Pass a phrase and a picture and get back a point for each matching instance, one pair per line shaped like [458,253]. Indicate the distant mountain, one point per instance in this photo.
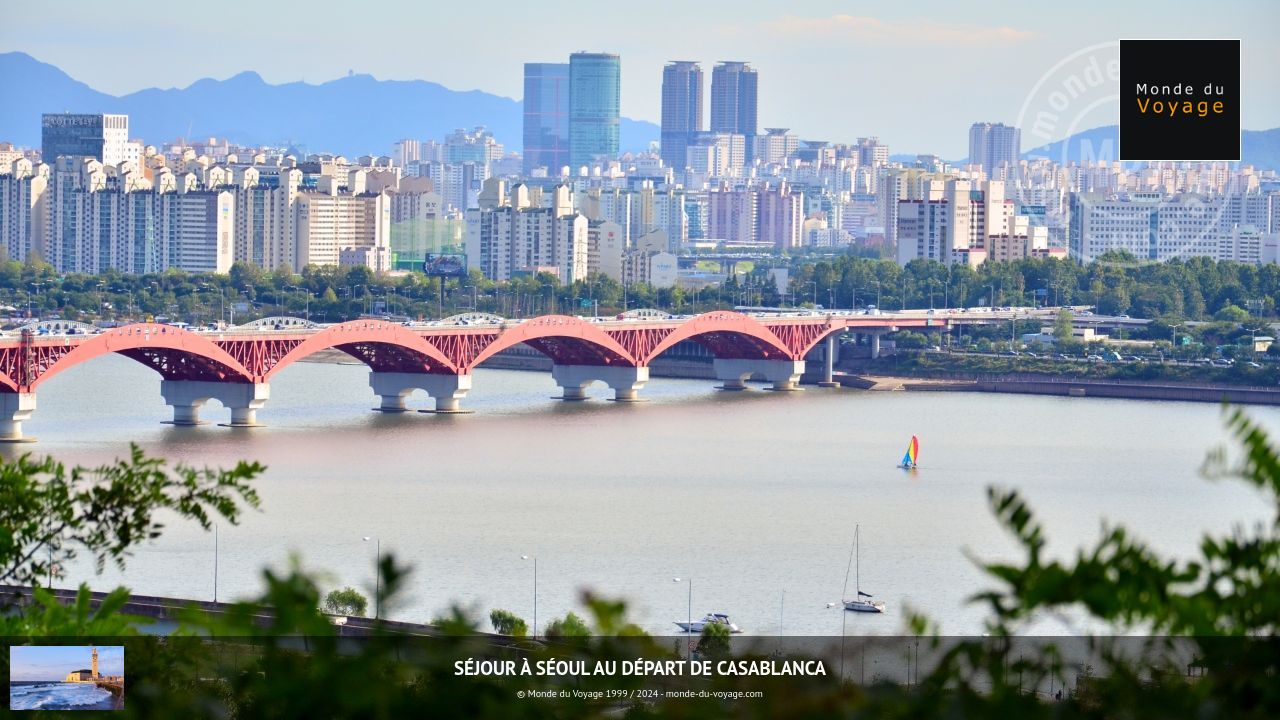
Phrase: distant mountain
[353,115]
[1259,148]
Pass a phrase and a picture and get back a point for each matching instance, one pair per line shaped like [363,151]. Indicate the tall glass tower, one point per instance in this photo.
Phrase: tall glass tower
[681,110]
[546,116]
[734,101]
[595,82]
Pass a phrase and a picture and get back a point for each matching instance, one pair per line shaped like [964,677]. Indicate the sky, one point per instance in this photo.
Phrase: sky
[916,74]
[53,662]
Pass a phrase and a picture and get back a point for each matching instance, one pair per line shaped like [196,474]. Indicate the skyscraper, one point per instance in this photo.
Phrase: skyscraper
[681,110]
[734,88]
[546,116]
[595,81]
[991,145]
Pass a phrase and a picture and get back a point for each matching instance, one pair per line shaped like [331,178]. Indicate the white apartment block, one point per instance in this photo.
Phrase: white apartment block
[1159,227]
[508,234]
[328,222]
[22,208]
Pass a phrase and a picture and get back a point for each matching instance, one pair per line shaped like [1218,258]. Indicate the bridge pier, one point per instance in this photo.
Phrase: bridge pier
[188,396]
[626,381]
[829,362]
[875,345]
[14,409]
[734,372]
[394,388]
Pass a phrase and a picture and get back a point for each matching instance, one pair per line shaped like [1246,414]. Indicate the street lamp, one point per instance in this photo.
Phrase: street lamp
[215,562]
[535,592]
[377,588]
[815,293]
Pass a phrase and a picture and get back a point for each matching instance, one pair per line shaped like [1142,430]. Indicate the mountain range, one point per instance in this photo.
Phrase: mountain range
[353,115]
[1259,148]
[345,115]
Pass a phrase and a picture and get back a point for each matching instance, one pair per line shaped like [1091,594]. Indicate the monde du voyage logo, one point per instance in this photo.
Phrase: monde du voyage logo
[1180,99]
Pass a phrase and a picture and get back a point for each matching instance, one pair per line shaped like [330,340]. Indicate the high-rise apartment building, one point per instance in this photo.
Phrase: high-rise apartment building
[994,145]
[595,82]
[22,209]
[329,222]
[508,233]
[734,102]
[546,117]
[681,110]
[102,137]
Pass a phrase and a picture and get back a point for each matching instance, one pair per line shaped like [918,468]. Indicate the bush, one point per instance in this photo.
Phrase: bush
[571,626]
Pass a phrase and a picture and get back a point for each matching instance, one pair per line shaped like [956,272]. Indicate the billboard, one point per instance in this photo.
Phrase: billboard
[445,265]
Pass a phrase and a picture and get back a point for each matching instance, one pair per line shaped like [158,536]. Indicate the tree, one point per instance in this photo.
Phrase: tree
[714,641]
[1063,325]
[571,626]
[49,514]
[347,601]
[1232,313]
[506,622]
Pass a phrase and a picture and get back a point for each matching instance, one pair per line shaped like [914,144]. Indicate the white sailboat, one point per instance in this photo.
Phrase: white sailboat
[861,601]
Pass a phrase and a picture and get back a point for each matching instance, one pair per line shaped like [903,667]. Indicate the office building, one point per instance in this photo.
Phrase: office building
[546,117]
[102,137]
[681,111]
[595,81]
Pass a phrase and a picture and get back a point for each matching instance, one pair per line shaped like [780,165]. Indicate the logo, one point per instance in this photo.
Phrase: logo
[1180,100]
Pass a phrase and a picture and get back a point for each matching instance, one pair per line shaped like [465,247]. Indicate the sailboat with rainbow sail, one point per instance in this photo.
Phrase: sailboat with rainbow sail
[913,452]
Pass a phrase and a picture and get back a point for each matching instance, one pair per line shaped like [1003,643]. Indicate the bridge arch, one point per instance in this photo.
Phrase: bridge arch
[566,340]
[728,335]
[382,345]
[175,353]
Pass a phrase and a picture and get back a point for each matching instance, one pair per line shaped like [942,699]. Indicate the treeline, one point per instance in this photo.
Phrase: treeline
[1117,283]
[325,294]
[1195,289]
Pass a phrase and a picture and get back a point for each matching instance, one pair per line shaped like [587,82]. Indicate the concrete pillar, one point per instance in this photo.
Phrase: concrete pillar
[784,374]
[875,345]
[187,396]
[829,362]
[15,408]
[625,380]
[395,387]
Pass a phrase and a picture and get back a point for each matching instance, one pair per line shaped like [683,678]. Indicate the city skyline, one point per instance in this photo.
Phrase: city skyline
[815,60]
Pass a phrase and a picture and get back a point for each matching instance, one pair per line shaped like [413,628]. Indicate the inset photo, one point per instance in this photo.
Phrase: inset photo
[66,677]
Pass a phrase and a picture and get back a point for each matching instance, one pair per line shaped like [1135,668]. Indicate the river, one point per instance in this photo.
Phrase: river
[754,496]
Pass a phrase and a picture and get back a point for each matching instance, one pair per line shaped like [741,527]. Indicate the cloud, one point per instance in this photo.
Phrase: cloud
[870,30]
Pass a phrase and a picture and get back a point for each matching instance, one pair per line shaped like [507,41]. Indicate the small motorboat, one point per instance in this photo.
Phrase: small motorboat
[708,619]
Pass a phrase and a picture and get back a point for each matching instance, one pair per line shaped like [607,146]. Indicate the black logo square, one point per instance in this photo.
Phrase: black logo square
[1179,99]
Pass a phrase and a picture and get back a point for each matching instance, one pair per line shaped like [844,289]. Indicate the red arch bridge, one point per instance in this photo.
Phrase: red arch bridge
[235,365]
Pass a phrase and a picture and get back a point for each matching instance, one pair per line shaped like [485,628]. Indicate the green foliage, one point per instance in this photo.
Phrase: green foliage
[714,641]
[1232,314]
[570,626]
[1063,326]
[506,622]
[347,601]
[49,515]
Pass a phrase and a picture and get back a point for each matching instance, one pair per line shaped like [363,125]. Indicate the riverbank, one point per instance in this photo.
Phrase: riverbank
[888,375]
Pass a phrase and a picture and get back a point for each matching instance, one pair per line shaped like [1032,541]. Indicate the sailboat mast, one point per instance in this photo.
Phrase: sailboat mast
[857,578]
